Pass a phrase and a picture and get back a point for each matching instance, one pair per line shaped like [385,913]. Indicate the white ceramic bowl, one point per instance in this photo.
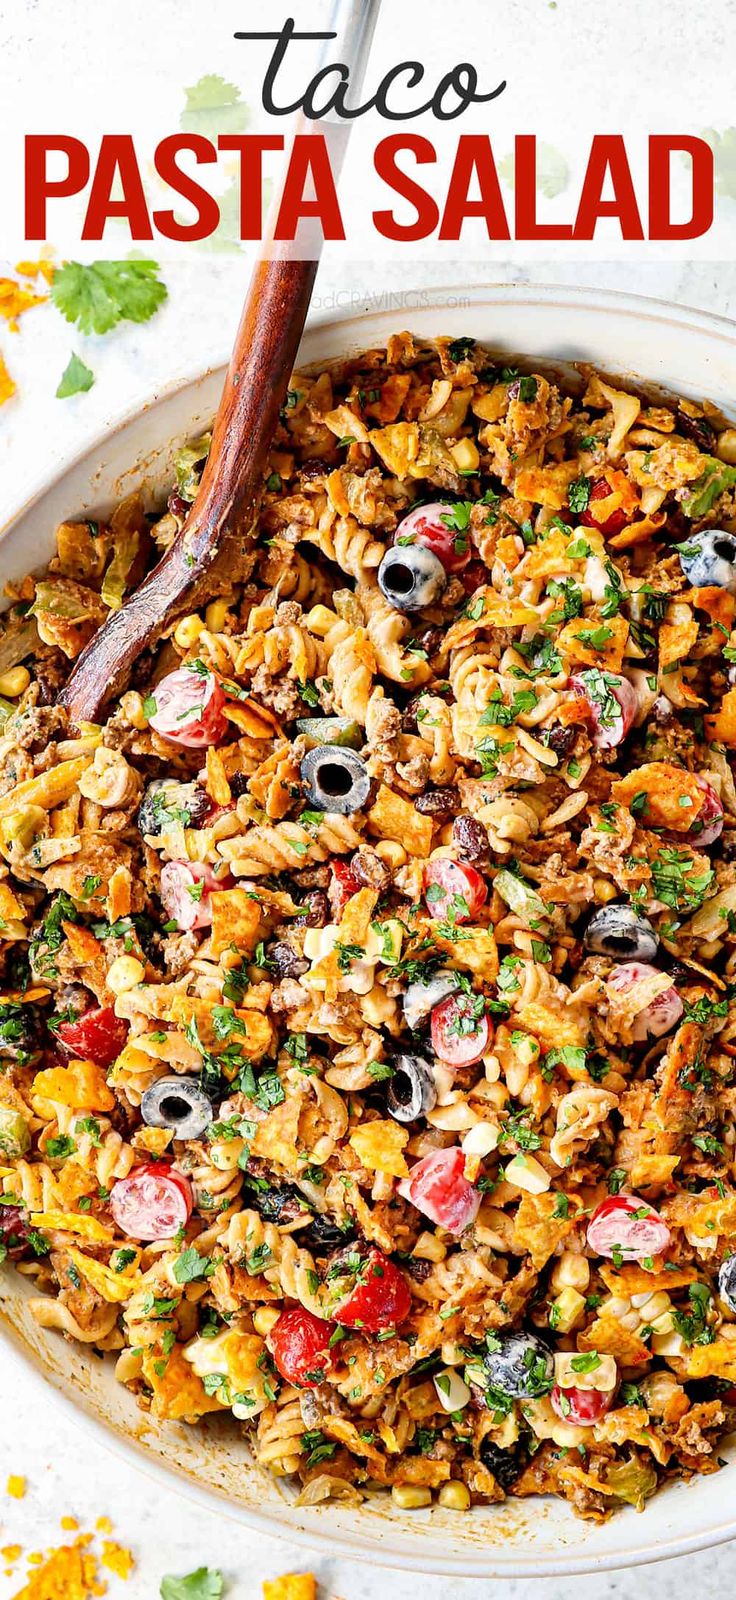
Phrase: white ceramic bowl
[686,352]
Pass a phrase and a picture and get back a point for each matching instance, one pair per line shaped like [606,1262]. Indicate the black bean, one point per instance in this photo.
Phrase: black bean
[559,739]
[471,838]
[370,870]
[275,1204]
[699,429]
[238,784]
[438,802]
[286,960]
[319,909]
[431,640]
[417,1268]
[506,1465]
[312,469]
[324,1233]
[178,506]
[313,877]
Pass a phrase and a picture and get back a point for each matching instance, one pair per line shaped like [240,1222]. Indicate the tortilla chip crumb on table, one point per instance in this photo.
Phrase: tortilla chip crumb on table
[293,1586]
[71,1571]
[15,1486]
[7,386]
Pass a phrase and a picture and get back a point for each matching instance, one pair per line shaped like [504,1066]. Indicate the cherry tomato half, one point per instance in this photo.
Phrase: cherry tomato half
[618,519]
[186,890]
[612,704]
[663,1012]
[343,885]
[436,526]
[438,1187]
[461,1030]
[581,1407]
[190,707]
[380,1297]
[153,1202]
[98,1035]
[625,1225]
[453,891]
[299,1343]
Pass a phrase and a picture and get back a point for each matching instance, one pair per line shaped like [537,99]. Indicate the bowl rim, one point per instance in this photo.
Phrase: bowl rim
[437,300]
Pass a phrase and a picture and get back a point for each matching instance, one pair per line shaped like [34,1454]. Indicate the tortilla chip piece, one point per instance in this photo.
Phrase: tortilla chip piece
[7,387]
[69,1222]
[677,635]
[537,1232]
[720,604]
[546,486]
[276,1137]
[398,446]
[721,727]
[595,643]
[636,1280]
[293,1585]
[553,1028]
[115,1287]
[610,1338]
[673,796]
[81,1085]
[716,1360]
[476,951]
[379,1146]
[393,817]
[178,1394]
[648,1169]
[218,787]
[252,1033]
[236,920]
[11,908]
[49,789]
[253,719]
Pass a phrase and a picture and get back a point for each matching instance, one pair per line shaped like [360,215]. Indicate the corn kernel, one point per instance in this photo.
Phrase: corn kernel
[467,458]
[409,1496]
[187,632]
[566,1310]
[15,682]
[454,1496]
[125,973]
[429,1248]
[264,1319]
[602,1377]
[391,852]
[571,1271]
[319,620]
[215,615]
[604,891]
[131,706]
[726,446]
[480,1140]
[453,1392]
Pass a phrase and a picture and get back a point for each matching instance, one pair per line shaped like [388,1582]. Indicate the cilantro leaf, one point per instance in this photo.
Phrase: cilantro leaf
[207,1583]
[75,379]
[213,106]
[104,293]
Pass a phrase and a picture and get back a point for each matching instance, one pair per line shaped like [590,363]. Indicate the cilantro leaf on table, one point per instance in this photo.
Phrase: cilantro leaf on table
[213,106]
[75,379]
[207,1583]
[100,295]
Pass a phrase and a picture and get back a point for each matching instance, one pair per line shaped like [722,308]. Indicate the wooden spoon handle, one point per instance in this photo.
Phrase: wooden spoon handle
[221,518]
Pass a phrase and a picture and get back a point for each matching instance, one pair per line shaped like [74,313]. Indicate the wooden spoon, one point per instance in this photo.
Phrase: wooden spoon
[218,533]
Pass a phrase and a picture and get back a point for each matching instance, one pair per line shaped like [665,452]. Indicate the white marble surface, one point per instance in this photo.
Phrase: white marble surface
[66,1471]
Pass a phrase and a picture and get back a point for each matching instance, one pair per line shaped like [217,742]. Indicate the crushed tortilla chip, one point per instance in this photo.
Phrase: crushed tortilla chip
[595,644]
[537,1230]
[67,1573]
[7,386]
[115,1287]
[36,269]
[673,796]
[721,726]
[117,1559]
[236,920]
[15,1486]
[81,1085]
[379,1146]
[393,817]
[293,1586]
[70,1222]
[609,1337]
[14,300]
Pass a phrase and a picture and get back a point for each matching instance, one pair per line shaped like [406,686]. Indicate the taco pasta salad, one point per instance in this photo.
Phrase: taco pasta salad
[368,1019]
